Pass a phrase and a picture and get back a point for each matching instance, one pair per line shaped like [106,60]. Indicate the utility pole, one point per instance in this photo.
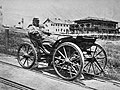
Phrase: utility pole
[22,22]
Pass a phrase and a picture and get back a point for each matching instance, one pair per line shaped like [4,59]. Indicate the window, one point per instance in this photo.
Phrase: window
[56,29]
[82,25]
[61,30]
[88,25]
[46,25]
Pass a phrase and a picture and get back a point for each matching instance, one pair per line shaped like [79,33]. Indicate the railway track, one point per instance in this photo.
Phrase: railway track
[14,84]
[45,71]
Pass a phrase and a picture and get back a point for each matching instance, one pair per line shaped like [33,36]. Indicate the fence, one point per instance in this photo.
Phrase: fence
[101,36]
[10,40]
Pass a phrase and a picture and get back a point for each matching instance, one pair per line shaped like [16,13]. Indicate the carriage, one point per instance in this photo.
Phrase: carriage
[69,55]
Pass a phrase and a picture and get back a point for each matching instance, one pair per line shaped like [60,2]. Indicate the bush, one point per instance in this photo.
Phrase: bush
[15,39]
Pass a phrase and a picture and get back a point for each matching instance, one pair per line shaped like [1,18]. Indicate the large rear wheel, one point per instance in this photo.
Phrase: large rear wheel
[68,61]
[95,60]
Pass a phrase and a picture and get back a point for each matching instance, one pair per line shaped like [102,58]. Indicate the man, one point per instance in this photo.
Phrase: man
[37,33]
[35,27]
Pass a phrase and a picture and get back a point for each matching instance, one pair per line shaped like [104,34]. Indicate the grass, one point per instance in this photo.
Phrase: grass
[112,49]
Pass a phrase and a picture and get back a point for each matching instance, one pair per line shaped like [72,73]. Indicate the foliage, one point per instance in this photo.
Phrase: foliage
[15,39]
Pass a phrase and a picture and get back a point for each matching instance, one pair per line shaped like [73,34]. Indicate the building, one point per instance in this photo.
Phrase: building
[96,25]
[57,25]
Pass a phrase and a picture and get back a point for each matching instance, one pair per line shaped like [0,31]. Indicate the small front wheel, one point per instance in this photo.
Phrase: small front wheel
[26,55]
[68,61]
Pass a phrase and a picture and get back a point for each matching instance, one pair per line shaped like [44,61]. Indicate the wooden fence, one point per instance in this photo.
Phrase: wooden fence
[10,40]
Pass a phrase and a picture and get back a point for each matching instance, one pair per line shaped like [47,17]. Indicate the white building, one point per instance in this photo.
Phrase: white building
[57,25]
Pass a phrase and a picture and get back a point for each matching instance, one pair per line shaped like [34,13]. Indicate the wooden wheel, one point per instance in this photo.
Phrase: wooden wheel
[26,55]
[95,60]
[68,61]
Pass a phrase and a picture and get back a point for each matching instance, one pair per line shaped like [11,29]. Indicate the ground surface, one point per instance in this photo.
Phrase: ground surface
[41,81]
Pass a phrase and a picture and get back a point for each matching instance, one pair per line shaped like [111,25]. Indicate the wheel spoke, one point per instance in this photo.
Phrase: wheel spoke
[60,59]
[22,58]
[65,52]
[100,57]
[61,54]
[95,51]
[89,68]
[60,64]
[74,58]
[27,63]
[87,64]
[93,68]
[98,53]
[74,69]
[75,64]
[61,68]
[23,51]
[99,65]
[70,72]
[23,48]
[69,52]
[24,62]
[30,51]
[27,48]
[31,57]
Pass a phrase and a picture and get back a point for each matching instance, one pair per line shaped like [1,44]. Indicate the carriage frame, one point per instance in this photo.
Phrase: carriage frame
[70,56]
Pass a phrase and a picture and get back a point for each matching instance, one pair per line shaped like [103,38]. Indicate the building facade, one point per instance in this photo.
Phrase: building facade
[57,25]
[96,25]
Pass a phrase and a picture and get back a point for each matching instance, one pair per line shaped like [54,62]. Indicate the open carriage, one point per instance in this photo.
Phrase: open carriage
[70,55]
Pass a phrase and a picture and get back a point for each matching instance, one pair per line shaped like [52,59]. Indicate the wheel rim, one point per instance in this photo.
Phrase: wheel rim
[95,60]
[67,62]
[26,56]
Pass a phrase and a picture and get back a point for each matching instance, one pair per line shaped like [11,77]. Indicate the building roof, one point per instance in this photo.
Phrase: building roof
[58,20]
[96,19]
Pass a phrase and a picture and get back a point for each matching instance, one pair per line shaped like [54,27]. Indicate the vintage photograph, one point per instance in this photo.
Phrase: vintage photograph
[59,44]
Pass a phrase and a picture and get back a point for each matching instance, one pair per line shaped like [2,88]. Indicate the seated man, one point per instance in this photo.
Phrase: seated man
[38,33]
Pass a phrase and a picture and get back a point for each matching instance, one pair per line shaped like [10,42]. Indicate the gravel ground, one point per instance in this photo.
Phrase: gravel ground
[41,82]
[6,87]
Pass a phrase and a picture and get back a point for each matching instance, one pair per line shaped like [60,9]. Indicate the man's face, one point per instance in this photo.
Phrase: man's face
[36,21]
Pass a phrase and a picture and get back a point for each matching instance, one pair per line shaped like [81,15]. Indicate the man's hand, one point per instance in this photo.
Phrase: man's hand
[47,33]
[35,32]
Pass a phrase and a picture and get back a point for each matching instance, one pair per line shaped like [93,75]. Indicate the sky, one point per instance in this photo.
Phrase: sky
[15,10]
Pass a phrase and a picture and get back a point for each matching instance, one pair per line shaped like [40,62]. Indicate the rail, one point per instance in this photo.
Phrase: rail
[14,84]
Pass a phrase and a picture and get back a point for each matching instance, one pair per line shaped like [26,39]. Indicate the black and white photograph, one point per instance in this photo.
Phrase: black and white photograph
[59,44]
